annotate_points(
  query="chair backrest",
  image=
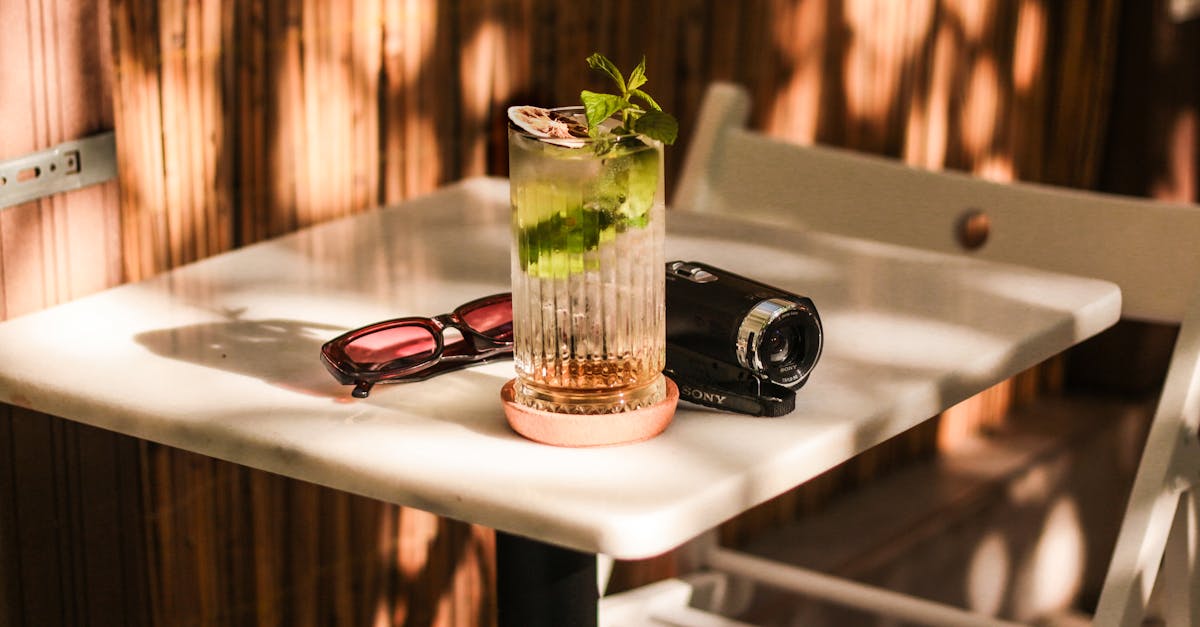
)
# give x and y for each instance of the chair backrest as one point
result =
(1150, 249)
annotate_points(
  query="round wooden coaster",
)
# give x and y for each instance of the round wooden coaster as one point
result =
(580, 430)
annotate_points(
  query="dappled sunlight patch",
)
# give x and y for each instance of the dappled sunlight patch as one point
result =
(996, 168)
(1050, 577)
(988, 574)
(1035, 292)
(1030, 46)
(981, 107)
(973, 16)
(1178, 182)
(912, 342)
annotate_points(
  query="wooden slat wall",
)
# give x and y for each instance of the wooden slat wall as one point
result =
(69, 502)
(241, 120)
(56, 88)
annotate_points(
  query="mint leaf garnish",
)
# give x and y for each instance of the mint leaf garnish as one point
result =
(600, 107)
(651, 122)
(657, 125)
(645, 97)
(600, 62)
(637, 77)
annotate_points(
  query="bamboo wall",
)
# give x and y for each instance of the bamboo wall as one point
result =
(241, 120)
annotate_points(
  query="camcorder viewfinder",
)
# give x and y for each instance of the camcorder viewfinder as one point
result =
(737, 344)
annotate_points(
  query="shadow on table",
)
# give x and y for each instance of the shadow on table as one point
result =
(286, 354)
(283, 353)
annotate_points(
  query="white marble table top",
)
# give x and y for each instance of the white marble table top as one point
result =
(221, 358)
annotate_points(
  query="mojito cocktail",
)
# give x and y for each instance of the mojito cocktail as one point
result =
(587, 271)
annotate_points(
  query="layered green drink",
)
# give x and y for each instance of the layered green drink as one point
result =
(587, 268)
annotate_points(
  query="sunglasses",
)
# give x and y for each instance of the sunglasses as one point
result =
(416, 348)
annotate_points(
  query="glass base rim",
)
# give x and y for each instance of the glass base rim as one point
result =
(590, 430)
(591, 401)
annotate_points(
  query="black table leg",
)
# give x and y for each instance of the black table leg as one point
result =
(542, 585)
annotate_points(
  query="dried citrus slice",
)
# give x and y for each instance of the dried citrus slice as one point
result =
(552, 126)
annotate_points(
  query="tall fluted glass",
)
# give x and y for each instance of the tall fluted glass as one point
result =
(587, 273)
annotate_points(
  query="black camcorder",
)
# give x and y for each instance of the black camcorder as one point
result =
(737, 344)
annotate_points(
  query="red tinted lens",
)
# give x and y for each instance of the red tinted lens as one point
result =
(410, 343)
(492, 318)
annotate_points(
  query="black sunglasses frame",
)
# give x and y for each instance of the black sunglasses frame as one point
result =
(479, 349)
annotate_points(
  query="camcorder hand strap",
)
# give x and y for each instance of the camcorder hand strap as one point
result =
(719, 385)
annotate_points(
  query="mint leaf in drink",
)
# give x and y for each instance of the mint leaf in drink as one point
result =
(640, 186)
(651, 122)
(657, 125)
(600, 107)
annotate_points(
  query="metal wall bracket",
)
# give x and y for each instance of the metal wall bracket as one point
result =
(67, 166)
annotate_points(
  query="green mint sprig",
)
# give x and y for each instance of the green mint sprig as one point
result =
(650, 121)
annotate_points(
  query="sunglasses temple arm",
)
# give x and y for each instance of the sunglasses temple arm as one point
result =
(362, 388)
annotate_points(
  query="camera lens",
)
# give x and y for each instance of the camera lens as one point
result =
(780, 339)
(777, 345)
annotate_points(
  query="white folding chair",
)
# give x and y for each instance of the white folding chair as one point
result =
(1150, 249)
